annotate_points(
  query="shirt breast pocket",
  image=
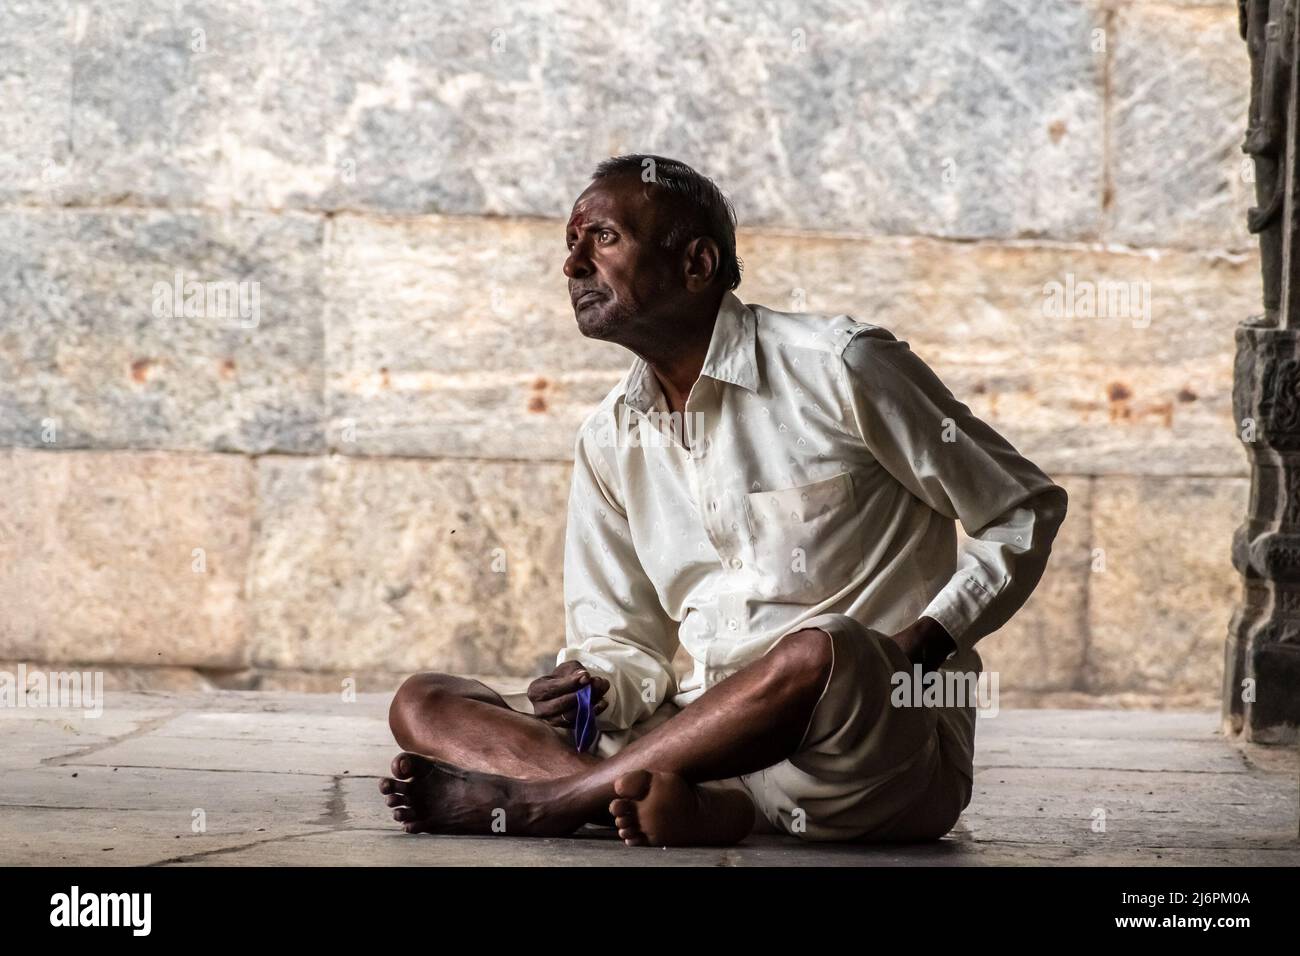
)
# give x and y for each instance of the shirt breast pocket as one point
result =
(806, 541)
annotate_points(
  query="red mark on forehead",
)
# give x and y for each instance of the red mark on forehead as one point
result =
(578, 220)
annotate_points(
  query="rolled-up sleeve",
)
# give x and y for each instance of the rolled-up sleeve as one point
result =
(962, 468)
(999, 567)
(614, 623)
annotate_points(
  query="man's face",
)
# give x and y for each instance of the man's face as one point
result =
(620, 277)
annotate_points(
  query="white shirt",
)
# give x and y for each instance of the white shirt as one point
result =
(825, 469)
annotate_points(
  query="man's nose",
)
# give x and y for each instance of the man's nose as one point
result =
(577, 265)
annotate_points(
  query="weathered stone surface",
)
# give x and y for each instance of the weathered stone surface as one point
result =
(364, 681)
(1103, 754)
(227, 802)
(1158, 613)
(265, 771)
(1164, 699)
(35, 99)
(349, 847)
(178, 753)
(168, 101)
(131, 678)
(1233, 800)
(315, 682)
(1262, 655)
(131, 816)
(1112, 389)
(453, 337)
(456, 337)
(1013, 692)
(1043, 646)
(91, 355)
(1108, 724)
(76, 837)
(99, 551)
(1101, 809)
(427, 357)
(349, 725)
(414, 370)
(341, 580)
(35, 737)
(367, 706)
(834, 118)
(390, 565)
(1180, 85)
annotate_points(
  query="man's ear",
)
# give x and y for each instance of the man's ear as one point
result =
(701, 263)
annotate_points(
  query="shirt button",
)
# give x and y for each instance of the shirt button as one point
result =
(733, 624)
(737, 564)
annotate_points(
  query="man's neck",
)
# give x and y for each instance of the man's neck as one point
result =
(678, 373)
(678, 358)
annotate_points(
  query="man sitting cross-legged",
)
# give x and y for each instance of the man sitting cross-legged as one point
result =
(776, 494)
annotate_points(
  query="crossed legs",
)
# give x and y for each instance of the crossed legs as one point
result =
(472, 765)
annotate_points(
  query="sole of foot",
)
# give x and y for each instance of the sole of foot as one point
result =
(661, 809)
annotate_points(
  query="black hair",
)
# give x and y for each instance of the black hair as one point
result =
(701, 208)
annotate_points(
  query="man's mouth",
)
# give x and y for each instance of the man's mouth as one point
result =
(586, 298)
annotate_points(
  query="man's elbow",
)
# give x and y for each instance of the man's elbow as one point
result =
(1056, 501)
(1050, 507)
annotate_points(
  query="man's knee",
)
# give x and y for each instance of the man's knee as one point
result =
(803, 660)
(418, 699)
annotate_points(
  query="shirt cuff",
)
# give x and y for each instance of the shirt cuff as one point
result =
(959, 605)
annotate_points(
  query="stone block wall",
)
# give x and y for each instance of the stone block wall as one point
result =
(360, 468)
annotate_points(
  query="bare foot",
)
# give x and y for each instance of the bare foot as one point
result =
(429, 796)
(662, 809)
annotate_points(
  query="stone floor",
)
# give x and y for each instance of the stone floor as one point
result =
(290, 779)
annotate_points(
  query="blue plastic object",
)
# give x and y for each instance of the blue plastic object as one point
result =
(584, 726)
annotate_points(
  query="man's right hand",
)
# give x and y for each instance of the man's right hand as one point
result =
(555, 696)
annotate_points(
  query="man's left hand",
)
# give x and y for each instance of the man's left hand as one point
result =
(925, 643)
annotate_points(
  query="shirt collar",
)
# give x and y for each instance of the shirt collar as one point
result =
(731, 358)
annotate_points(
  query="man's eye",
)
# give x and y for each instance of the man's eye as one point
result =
(606, 233)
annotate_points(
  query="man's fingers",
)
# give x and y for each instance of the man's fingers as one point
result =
(548, 688)
(566, 706)
(599, 688)
(562, 710)
(567, 719)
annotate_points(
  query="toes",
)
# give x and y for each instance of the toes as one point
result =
(388, 785)
(630, 788)
(405, 815)
(396, 799)
(634, 785)
(624, 813)
(408, 765)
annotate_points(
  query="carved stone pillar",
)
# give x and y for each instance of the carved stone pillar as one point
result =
(1261, 690)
